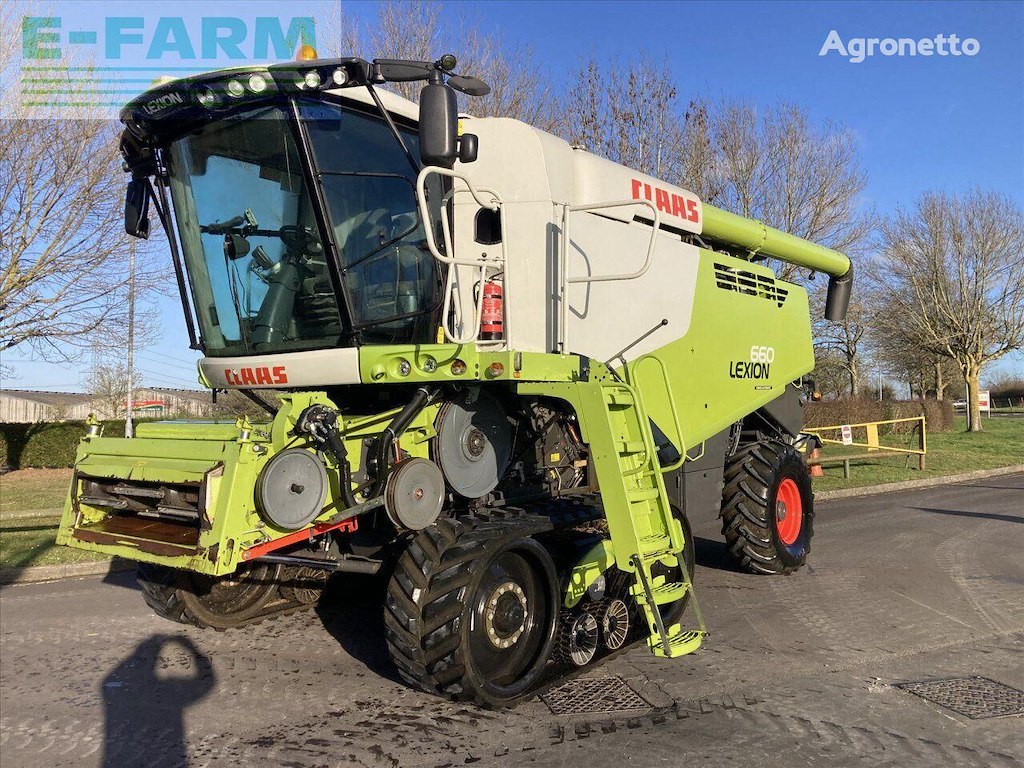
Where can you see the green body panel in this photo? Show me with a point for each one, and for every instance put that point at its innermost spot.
(753, 236)
(225, 469)
(641, 525)
(700, 367)
(380, 364)
(598, 559)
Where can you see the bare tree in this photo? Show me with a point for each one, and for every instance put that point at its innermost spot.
(63, 250)
(108, 384)
(628, 112)
(774, 165)
(842, 343)
(952, 271)
(925, 373)
(830, 373)
(769, 163)
(422, 31)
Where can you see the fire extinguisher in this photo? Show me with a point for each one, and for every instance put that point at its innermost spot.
(492, 312)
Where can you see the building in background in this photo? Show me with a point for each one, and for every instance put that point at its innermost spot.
(21, 406)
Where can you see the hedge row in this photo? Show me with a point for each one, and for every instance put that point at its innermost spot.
(45, 444)
(856, 410)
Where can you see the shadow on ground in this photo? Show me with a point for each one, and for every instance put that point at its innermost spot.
(352, 611)
(713, 553)
(145, 698)
(966, 513)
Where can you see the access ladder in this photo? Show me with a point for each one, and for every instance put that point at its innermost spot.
(642, 528)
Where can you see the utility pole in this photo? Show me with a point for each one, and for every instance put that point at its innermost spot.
(129, 426)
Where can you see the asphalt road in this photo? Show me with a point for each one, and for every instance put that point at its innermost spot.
(800, 670)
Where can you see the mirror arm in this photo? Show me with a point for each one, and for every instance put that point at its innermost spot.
(394, 128)
(163, 211)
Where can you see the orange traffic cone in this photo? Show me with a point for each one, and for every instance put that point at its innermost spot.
(816, 469)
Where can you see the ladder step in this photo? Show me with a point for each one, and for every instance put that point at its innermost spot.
(654, 547)
(630, 447)
(643, 494)
(618, 397)
(680, 643)
(669, 592)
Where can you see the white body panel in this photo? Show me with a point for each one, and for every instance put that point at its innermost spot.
(536, 176)
(314, 368)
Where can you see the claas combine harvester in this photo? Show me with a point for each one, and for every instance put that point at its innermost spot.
(497, 368)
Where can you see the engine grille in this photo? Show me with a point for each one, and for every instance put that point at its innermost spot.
(750, 284)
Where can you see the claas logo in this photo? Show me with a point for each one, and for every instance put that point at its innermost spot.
(666, 202)
(258, 375)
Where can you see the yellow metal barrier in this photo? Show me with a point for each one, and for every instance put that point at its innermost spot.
(872, 443)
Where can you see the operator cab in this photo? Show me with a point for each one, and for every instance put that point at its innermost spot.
(294, 203)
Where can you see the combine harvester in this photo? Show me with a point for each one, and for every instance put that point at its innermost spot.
(502, 369)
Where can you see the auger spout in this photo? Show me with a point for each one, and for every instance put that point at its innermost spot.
(756, 237)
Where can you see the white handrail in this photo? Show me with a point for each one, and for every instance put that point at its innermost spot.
(494, 204)
(566, 241)
(421, 200)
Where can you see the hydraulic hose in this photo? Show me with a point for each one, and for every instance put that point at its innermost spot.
(392, 432)
(322, 423)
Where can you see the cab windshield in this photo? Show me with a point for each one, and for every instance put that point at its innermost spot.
(262, 275)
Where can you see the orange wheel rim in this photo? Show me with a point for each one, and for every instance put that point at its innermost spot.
(789, 511)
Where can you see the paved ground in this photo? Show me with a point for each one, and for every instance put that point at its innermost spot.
(799, 671)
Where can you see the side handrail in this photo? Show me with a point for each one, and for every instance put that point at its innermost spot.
(483, 264)
(566, 242)
(614, 204)
(493, 204)
(677, 423)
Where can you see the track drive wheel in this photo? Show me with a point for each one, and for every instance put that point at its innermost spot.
(207, 601)
(768, 508)
(471, 608)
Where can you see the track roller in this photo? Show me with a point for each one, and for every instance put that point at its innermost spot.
(578, 642)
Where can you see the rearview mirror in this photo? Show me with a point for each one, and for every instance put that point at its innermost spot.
(136, 208)
(439, 125)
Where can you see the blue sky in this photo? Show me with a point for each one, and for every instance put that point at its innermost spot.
(922, 123)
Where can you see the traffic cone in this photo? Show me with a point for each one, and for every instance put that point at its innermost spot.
(816, 469)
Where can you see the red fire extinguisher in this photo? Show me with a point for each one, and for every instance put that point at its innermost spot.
(492, 312)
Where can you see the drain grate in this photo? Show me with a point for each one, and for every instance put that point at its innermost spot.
(974, 697)
(591, 695)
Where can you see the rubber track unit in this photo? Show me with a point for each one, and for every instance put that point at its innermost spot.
(747, 521)
(162, 592)
(424, 601)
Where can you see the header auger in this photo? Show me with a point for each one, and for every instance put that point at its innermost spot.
(502, 370)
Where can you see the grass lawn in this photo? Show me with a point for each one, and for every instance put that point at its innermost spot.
(949, 453)
(29, 540)
(33, 489)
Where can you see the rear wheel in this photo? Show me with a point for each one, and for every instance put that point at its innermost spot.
(471, 609)
(768, 509)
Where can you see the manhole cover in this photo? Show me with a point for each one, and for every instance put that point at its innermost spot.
(586, 696)
(975, 697)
